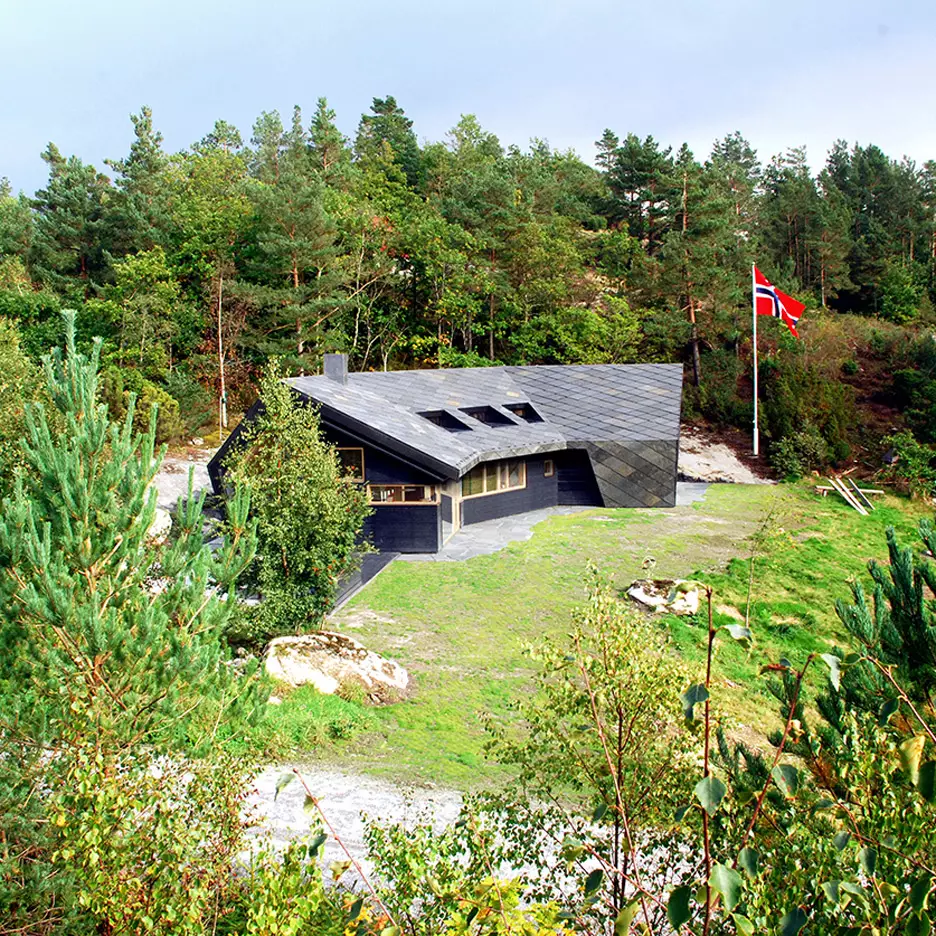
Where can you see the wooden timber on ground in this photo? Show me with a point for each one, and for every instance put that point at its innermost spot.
(856, 497)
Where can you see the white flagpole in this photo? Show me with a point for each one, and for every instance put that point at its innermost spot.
(754, 320)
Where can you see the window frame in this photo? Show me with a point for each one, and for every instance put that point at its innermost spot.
(549, 467)
(404, 503)
(500, 470)
(346, 474)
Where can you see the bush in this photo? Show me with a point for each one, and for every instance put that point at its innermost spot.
(914, 464)
(117, 385)
(309, 514)
(19, 385)
(195, 403)
(798, 454)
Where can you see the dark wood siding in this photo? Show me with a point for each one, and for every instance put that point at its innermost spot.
(379, 468)
(577, 483)
(405, 528)
(540, 491)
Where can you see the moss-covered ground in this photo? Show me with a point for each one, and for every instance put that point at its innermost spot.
(460, 627)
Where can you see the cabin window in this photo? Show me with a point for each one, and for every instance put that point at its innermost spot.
(403, 493)
(352, 462)
(493, 477)
(549, 469)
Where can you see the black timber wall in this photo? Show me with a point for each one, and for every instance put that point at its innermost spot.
(405, 528)
(540, 491)
(576, 480)
(371, 564)
(399, 528)
(635, 474)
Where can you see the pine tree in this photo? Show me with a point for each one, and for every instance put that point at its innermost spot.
(67, 243)
(899, 627)
(139, 216)
(294, 247)
(107, 637)
(388, 126)
(329, 148)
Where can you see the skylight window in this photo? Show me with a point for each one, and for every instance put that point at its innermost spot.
(445, 420)
(525, 411)
(487, 415)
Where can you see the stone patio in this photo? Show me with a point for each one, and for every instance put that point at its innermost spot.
(482, 539)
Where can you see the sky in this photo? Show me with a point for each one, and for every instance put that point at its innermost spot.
(783, 74)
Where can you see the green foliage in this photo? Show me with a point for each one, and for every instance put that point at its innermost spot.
(899, 627)
(913, 463)
(796, 455)
(19, 386)
(193, 402)
(309, 516)
(92, 608)
(127, 391)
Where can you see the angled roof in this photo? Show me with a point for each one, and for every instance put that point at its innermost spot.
(577, 403)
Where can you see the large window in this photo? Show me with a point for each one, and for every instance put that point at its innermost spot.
(403, 493)
(352, 462)
(492, 477)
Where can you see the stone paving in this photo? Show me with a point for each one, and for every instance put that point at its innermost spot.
(483, 539)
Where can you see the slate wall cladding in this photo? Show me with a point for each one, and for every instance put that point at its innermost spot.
(405, 528)
(540, 491)
(635, 474)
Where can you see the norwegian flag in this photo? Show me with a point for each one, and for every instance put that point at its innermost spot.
(770, 301)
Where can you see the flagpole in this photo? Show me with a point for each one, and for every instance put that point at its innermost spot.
(754, 329)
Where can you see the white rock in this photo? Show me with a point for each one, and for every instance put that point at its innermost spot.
(274, 700)
(160, 527)
(667, 597)
(332, 662)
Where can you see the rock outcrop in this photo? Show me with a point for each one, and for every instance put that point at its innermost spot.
(333, 664)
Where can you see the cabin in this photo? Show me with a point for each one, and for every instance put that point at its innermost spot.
(439, 450)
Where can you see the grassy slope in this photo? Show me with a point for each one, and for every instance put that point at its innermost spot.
(459, 627)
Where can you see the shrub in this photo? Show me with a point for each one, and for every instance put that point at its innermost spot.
(193, 400)
(914, 464)
(309, 515)
(797, 454)
(116, 387)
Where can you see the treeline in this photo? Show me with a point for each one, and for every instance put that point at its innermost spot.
(196, 267)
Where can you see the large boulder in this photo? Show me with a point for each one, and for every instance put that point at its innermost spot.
(334, 663)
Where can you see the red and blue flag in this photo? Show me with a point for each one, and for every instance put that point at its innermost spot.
(771, 301)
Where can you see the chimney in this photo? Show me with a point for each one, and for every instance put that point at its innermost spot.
(336, 367)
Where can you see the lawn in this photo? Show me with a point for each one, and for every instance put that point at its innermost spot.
(460, 627)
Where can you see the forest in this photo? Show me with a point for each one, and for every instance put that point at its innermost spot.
(197, 267)
(632, 798)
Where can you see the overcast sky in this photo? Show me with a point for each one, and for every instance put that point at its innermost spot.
(784, 74)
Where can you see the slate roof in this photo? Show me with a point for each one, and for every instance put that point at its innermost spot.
(578, 403)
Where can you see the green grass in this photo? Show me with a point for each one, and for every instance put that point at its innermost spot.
(305, 720)
(459, 628)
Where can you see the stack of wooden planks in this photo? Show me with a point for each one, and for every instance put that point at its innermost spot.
(854, 496)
